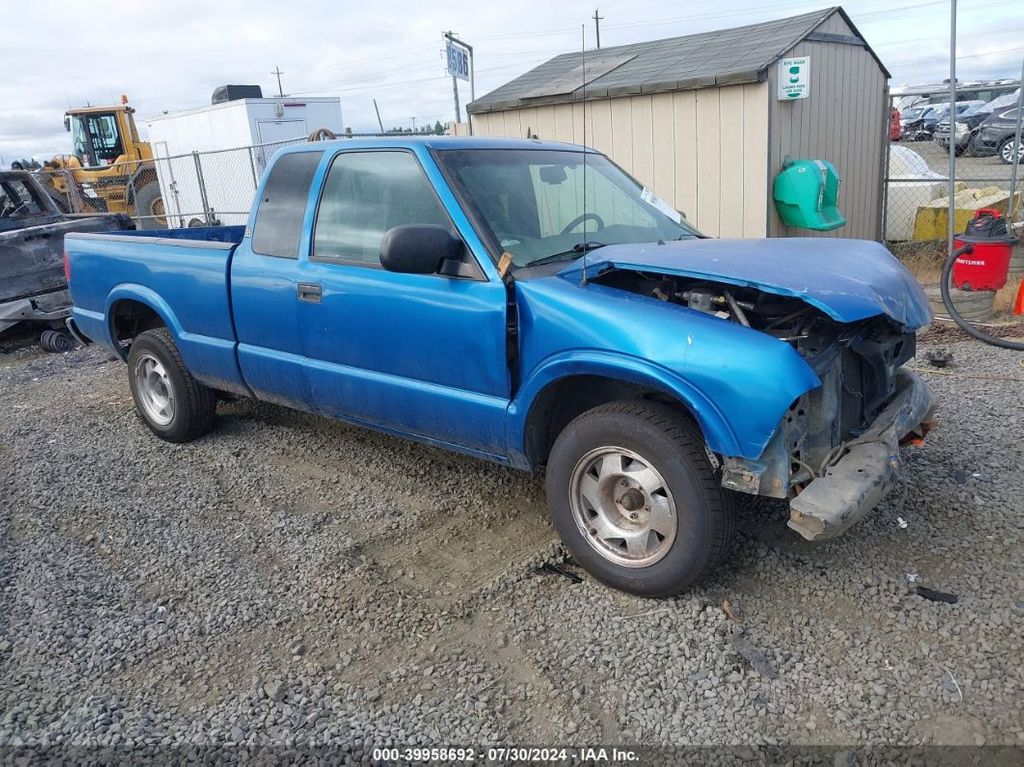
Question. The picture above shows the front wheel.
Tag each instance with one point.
(172, 403)
(1006, 151)
(149, 205)
(635, 498)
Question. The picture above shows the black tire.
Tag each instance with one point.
(194, 404)
(147, 195)
(672, 445)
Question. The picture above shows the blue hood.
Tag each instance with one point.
(849, 280)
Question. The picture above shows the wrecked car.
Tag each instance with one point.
(32, 229)
(529, 303)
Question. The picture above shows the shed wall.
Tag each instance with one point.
(703, 151)
(844, 121)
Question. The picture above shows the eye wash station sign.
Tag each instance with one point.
(794, 78)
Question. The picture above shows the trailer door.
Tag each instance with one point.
(271, 135)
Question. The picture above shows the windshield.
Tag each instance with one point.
(913, 114)
(18, 200)
(96, 139)
(533, 202)
(976, 109)
(1006, 100)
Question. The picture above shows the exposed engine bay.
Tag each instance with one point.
(858, 364)
(789, 319)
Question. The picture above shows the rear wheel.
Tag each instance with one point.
(634, 497)
(172, 403)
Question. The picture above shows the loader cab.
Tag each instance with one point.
(101, 135)
(96, 138)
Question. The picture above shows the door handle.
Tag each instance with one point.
(310, 291)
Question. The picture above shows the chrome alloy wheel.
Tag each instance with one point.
(623, 507)
(154, 387)
(1007, 152)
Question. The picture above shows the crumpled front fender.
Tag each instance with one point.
(737, 382)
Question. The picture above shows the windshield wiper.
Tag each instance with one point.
(575, 251)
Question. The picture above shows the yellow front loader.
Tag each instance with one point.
(109, 170)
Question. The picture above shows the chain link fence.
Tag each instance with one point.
(197, 189)
(916, 210)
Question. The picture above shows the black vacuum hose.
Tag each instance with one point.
(967, 327)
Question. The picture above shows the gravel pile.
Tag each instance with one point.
(288, 580)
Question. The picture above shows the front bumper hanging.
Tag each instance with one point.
(854, 485)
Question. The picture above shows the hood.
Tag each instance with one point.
(849, 280)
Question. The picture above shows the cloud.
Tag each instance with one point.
(172, 56)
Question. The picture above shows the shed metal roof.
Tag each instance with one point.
(721, 57)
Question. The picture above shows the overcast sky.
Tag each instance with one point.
(168, 56)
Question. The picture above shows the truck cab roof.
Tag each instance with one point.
(429, 142)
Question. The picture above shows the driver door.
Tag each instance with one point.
(418, 354)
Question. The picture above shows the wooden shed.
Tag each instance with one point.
(704, 121)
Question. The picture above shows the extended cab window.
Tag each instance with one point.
(365, 195)
(278, 227)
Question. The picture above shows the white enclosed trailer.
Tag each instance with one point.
(209, 159)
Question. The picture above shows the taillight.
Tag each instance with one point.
(67, 268)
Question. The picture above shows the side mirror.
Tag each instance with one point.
(418, 248)
(67, 123)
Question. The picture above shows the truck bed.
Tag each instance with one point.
(181, 274)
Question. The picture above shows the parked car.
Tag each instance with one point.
(997, 134)
(910, 184)
(895, 128)
(931, 119)
(458, 292)
(912, 123)
(32, 229)
(965, 123)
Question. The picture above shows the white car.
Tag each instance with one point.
(911, 184)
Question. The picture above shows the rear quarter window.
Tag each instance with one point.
(278, 229)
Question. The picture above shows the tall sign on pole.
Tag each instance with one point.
(459, 57)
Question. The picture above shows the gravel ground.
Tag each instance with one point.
(990, 168)
(290, 580)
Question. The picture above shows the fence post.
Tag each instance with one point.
(889, 103)
(1012, 208)
(202, 189)
(252, 167)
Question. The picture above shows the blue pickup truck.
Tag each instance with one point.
(529, 303)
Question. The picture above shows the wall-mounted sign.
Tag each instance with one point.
(794, 78)
(458, 61)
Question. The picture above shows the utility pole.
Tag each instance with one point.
(375, 109)
(277, 71)
(413, 124)
(597, 26)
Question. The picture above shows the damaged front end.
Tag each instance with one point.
(835, 453)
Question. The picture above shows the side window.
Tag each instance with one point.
(366, 194)
(278, 227)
